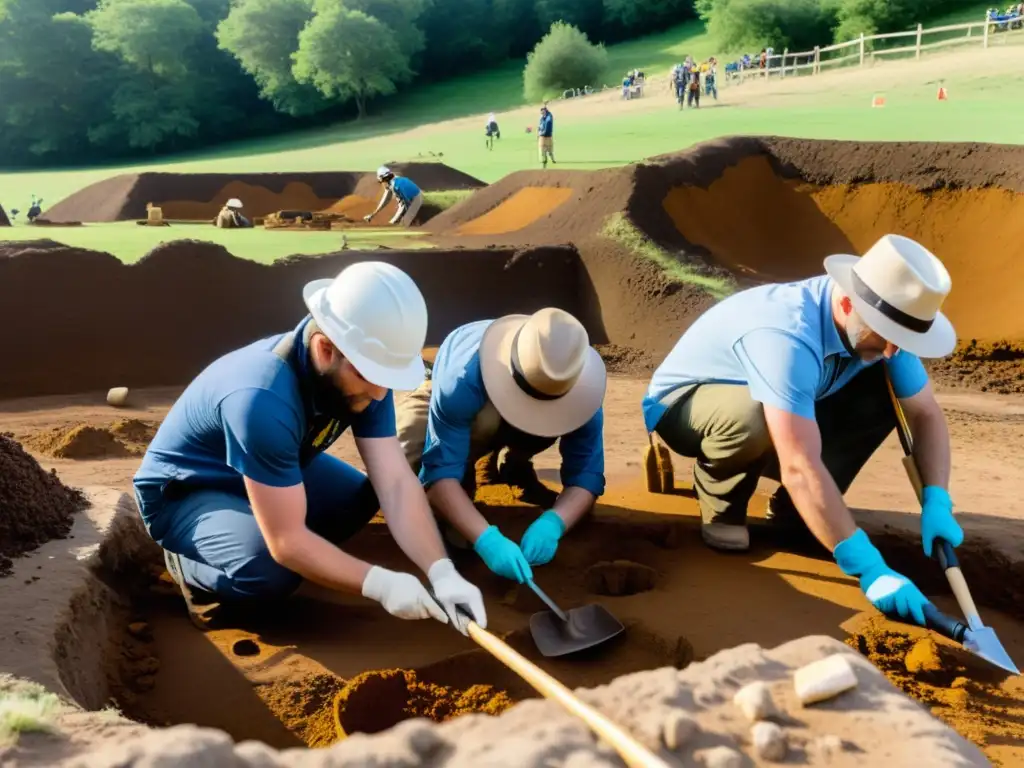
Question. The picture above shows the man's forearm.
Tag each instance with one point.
(931, 447)
(383, 201)
(819, 502)
(412, 523)
(449, 498)
(572, 504)
(317, 560)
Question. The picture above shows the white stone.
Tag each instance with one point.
(769, 741)
(755, 701)
(117, 397)
(824, 679)
(678, 729)
(720, 757)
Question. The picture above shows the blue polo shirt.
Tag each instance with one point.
(248, 414)
(405, 189)
(546, 126)
(778, 339)
(458, 395)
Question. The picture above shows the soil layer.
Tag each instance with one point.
(34, 505)
(520, 210)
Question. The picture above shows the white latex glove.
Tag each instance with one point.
(367, 217)
(401, 595)
(452, 590)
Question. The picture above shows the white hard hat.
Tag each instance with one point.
(376, 316)
(383, 172)
(234, 202)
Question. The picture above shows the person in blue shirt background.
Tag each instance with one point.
(236, 486)
(409, 196)
(546, 136)
(521, 382)
(783, 381)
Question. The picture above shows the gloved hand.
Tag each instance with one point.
(502, 556)
(452, 590)
(540, 542)
(401, 595)
(889, 591)
(937, 519)
(367, 217)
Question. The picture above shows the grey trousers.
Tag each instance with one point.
(724, 430)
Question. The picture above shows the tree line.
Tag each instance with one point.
(89, 80)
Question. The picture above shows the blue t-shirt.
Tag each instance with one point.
(547, 125)
(250, 413)
(458, 395)
(781, 341)
(405, 189)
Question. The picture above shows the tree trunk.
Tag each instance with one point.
(360, 106)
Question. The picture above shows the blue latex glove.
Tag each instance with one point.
(890, 592)
(502, 556)
(540, 542)
(937, 519)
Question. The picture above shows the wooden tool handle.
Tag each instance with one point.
(633, 753)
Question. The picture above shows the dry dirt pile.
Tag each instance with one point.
(34, 505)
(125, 437)
(520, 210)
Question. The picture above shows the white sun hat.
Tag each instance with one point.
(540, 372)
(376, 316)
(898, 288)
(234, 202)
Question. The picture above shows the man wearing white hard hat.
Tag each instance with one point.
(236, 485)
(515, 385)
(408, 195)
(230, 216)
(788, 381)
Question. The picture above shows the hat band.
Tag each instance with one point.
(520, 378)
(897, 315)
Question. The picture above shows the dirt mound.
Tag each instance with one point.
(519, 211)
(34, 505)
(126, 437)
(4, 221)
(186, 288)
(201, 195)
(997, 367)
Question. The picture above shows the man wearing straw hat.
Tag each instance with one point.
(518, 385)
(236, 486)
(782, 381)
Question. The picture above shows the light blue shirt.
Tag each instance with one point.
(778, 339)
(458, 395)
(404, 189)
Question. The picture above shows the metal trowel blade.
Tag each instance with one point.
(984, 643)
(588, 626)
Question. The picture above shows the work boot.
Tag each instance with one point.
(201, 604)
(726, 537)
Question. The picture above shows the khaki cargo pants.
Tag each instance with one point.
(721, 427)
(546, 148)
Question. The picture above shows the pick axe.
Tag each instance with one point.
(975, 637)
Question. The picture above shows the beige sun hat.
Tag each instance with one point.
(898, 288)
(234, 202)
(541, 373)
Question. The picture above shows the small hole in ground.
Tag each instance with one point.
(245, 648)
(619, 577)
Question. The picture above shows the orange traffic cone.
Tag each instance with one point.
(878, 101)
(943, 96)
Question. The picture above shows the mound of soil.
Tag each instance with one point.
(520, 210)
(127, 437)
(200, 196)
(4, 221)
(34, 505)
(996, 367)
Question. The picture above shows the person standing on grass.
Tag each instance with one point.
(546, 136)
(511, 388)
(693, 91)
(409, 197)
(237, 488)
(791, 381)
(491, 130)
(711, 79)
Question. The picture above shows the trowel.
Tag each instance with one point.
(559, 633)
(975, 636)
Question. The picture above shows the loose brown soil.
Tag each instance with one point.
(520, 210)
(34, 505)
(125, 437)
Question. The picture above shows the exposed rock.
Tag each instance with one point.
(755, 701)
(824, 679)
(720, 757)
(678, 729)
(769, 741)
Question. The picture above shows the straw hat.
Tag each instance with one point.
(541, 373)
(898, 287)
(234, 202)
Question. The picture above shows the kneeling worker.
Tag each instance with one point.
(404, 190)
(236, 485)
(523, 383)
(230, 216)
(783, 381)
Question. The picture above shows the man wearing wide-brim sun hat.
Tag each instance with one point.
(784, 381)
(516, 386)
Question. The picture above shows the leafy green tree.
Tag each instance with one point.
(585, 15)
(262, 35)
(564, 58)
(150, 35)
(348, 54)
(752, 24)
(401, 17)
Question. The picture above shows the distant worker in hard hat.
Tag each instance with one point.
(491, 130)
(511, 387)
(404, 190)
(236, 485)
(230, 216)
(546, 136)
(791, 381)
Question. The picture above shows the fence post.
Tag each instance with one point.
(862, 49)
(785, 53)
(817, 60)
(920, 29)
(984, 41)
